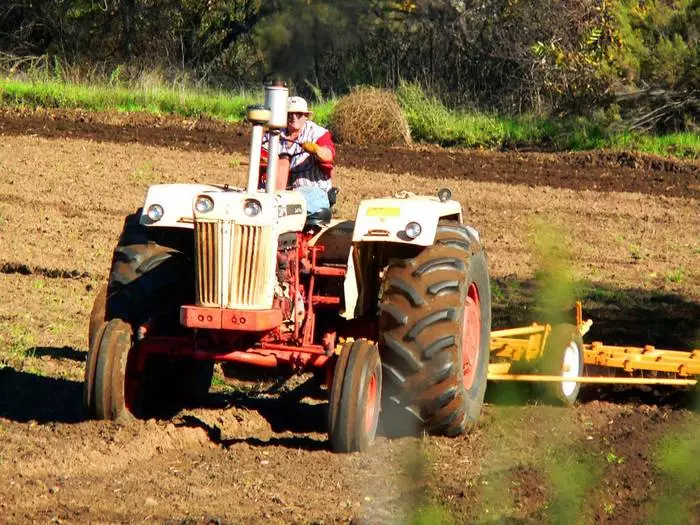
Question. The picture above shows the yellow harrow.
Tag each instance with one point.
(556, 355)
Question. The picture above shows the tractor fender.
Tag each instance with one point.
(385, 219)
(379, 236)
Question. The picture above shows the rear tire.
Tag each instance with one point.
(355, 398)
(435, 323)
(563, 356)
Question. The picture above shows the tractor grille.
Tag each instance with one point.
(235, 265)
(208, 240)
(250, 272)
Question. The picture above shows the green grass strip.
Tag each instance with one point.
(430, 121)
(153, 99)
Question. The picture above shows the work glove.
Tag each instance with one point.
(310, 147)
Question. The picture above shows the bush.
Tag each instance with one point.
(369, 116)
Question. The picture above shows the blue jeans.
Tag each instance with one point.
(316, 198)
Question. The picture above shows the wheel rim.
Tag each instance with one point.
(371, 404)
(471, 336)
(571, 367)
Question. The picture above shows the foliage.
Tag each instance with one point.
(656, 42)
(556, 288)
(676, 460)
(431, 121)
(511, 56)
(572, 477)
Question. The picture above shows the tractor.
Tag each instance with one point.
(391, 312)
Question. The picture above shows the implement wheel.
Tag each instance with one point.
(355, 400)
(435, 324)
(563, 356)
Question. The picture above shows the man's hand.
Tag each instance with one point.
(310, 147)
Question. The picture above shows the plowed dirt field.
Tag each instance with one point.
(252, 454)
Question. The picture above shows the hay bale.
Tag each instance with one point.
(369, 116)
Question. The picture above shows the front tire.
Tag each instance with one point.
(111, 385)
(435, 324)
(152, 275)
(97, 314)
(355, 400)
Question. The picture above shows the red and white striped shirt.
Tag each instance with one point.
(304, 168)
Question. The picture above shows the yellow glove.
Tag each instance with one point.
(310, 147)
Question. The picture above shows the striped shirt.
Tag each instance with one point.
(304, 168)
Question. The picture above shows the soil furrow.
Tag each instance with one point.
(10, 267)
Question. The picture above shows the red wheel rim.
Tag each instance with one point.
(371, 405)
(471, 336)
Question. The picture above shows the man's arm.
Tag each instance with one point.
(321, 153)
(323, 149)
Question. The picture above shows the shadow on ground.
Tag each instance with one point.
(521, 394)
(30, 397)
(285, 411)
(632, 317)
(627, 317)
(64, 352)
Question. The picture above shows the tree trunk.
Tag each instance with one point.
(128, 8)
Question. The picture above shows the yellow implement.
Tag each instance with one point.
(517, 351)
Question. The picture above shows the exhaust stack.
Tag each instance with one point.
(259, 115)
(276, 101)
(272, 113)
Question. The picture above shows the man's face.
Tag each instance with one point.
(296, 121)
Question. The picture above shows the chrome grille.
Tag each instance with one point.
(235, 265)
(252, 265)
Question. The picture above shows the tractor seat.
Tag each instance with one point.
(333, 195)
(319, 218)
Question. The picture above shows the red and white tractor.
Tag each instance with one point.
(391, 310)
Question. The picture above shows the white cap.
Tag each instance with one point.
(297, 105)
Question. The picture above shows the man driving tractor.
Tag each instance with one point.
(306, 156)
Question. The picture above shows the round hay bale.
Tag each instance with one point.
(369, 116)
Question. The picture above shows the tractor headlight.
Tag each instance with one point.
(251, 207)
(155, 212)
(413, 230)
(204, 204)
(444, 194)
